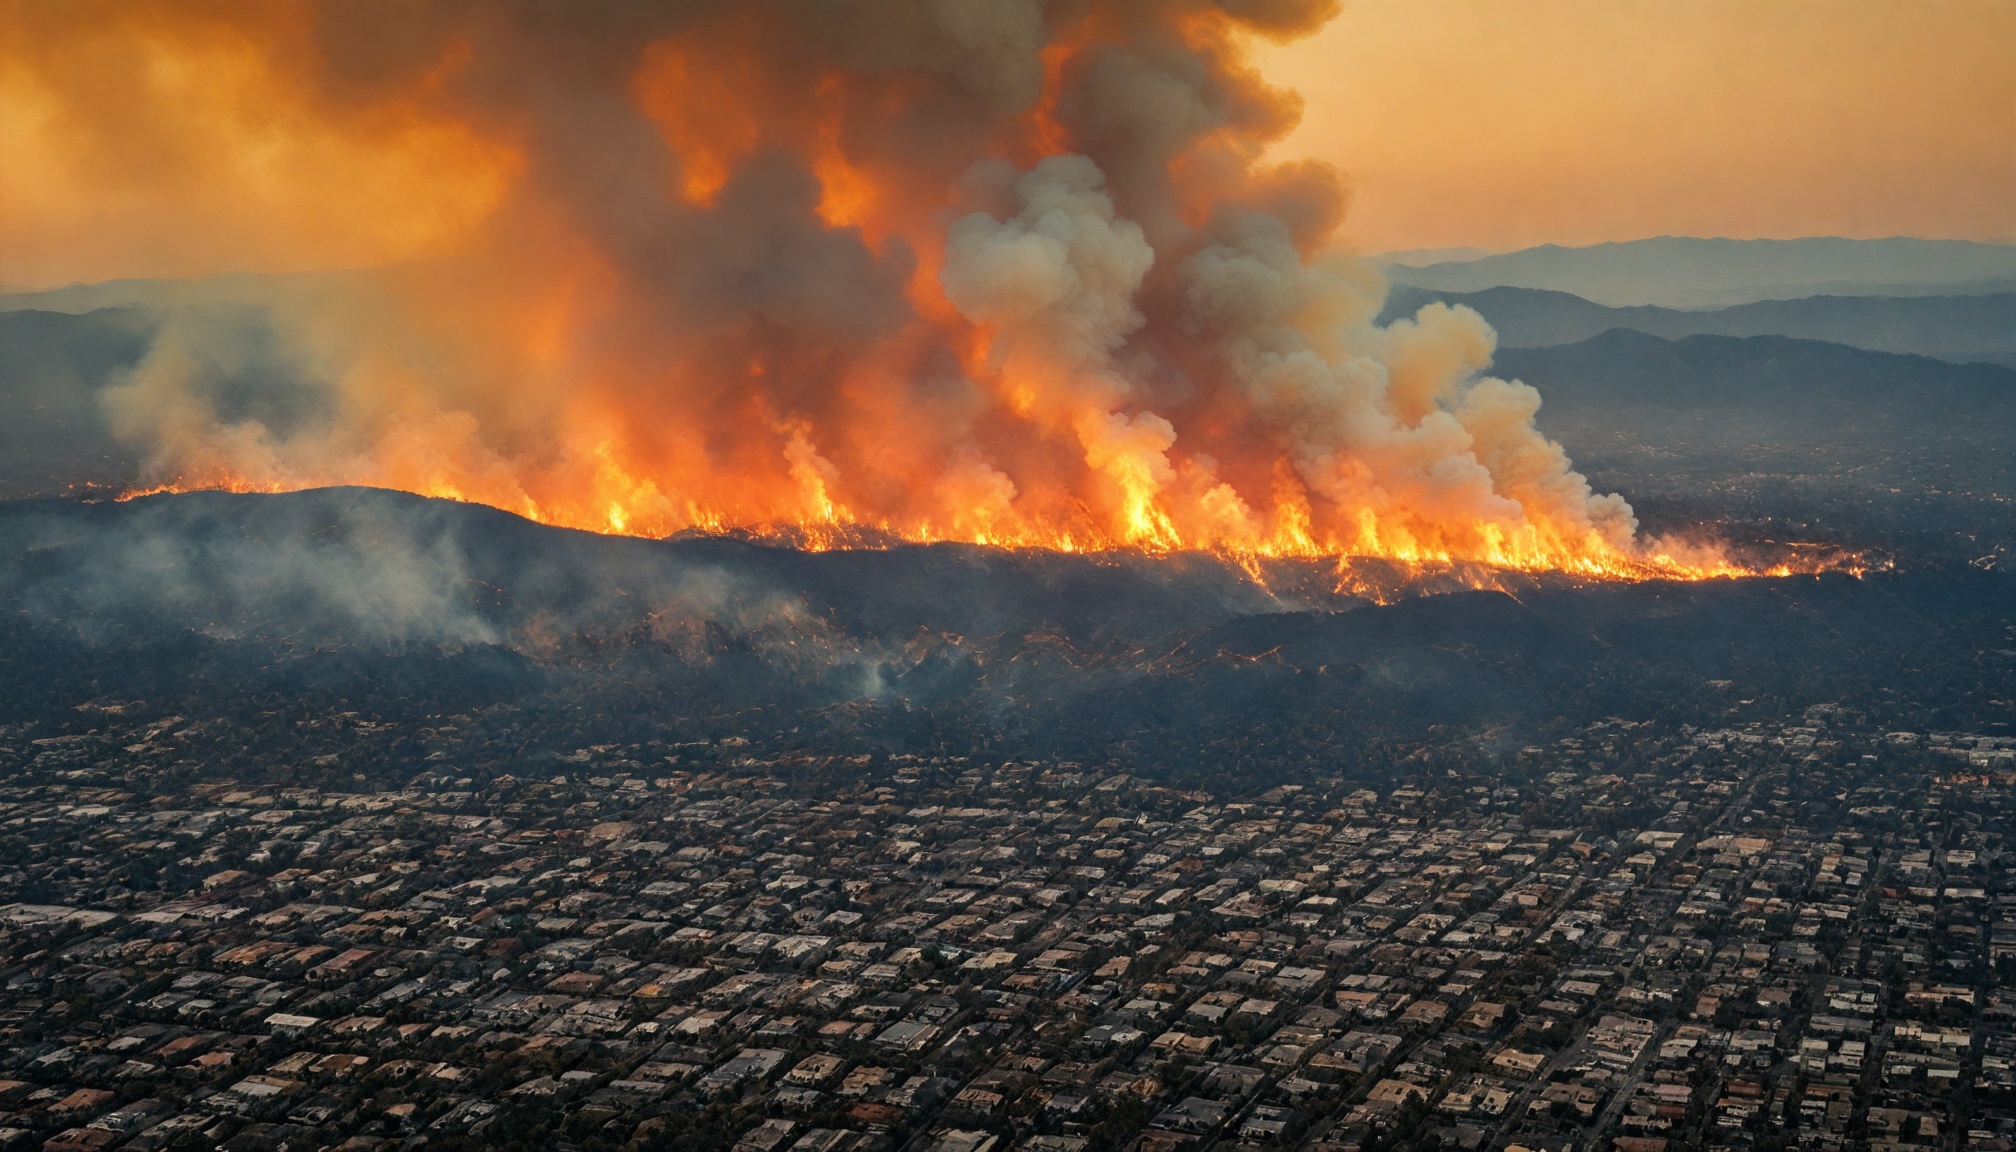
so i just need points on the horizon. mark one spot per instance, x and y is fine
(1454, 123)
(1386, 256)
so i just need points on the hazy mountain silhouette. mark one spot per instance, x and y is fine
(1960, 328)
(1796, 437)
(1684, 272)
(53, 435)
(238, 288)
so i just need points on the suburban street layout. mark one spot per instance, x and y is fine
(1791, 933)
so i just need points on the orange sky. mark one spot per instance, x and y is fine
(178, 140)
(1493, 123)
(1507, 123)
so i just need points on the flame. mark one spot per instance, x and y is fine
(1361, 567)
(841, 276)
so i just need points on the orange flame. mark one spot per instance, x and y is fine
(1364, 567)
(1016, 277)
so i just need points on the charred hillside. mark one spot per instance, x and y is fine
(396, 606)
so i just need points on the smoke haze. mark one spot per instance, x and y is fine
(1001, 271)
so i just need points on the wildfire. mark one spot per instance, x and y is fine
(1364, 569)
(1006, 273)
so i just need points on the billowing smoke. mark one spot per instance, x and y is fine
(1010, 271)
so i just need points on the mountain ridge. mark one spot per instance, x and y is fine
(1703, 272)
(1963, 329)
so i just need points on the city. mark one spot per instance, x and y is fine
(1790, 934)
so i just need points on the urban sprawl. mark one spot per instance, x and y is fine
(1629, 938)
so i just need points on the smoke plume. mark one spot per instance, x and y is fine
(1008, 271)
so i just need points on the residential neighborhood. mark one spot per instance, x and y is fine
(1631, 939)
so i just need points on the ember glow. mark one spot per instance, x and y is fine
(1007, 272)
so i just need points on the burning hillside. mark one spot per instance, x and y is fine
(366, 598)
(1006, 272)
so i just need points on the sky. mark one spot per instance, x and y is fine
(1494, 124)
(1501, 124)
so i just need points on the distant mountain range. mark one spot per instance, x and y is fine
(53, 368)
(1422, 257)
(234, 289)
(1796, 438)
(1666, 271)
(1978, 328)
(1683, 272)
(1725, 404)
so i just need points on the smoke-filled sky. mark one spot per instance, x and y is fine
(1503, 124)
(1482, 123)
(1034, 272)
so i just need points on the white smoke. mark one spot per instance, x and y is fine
(1397, 420)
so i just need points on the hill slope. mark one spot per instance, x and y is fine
(1810, 439)
(412, 606)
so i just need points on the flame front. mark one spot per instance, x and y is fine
(998, 271)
